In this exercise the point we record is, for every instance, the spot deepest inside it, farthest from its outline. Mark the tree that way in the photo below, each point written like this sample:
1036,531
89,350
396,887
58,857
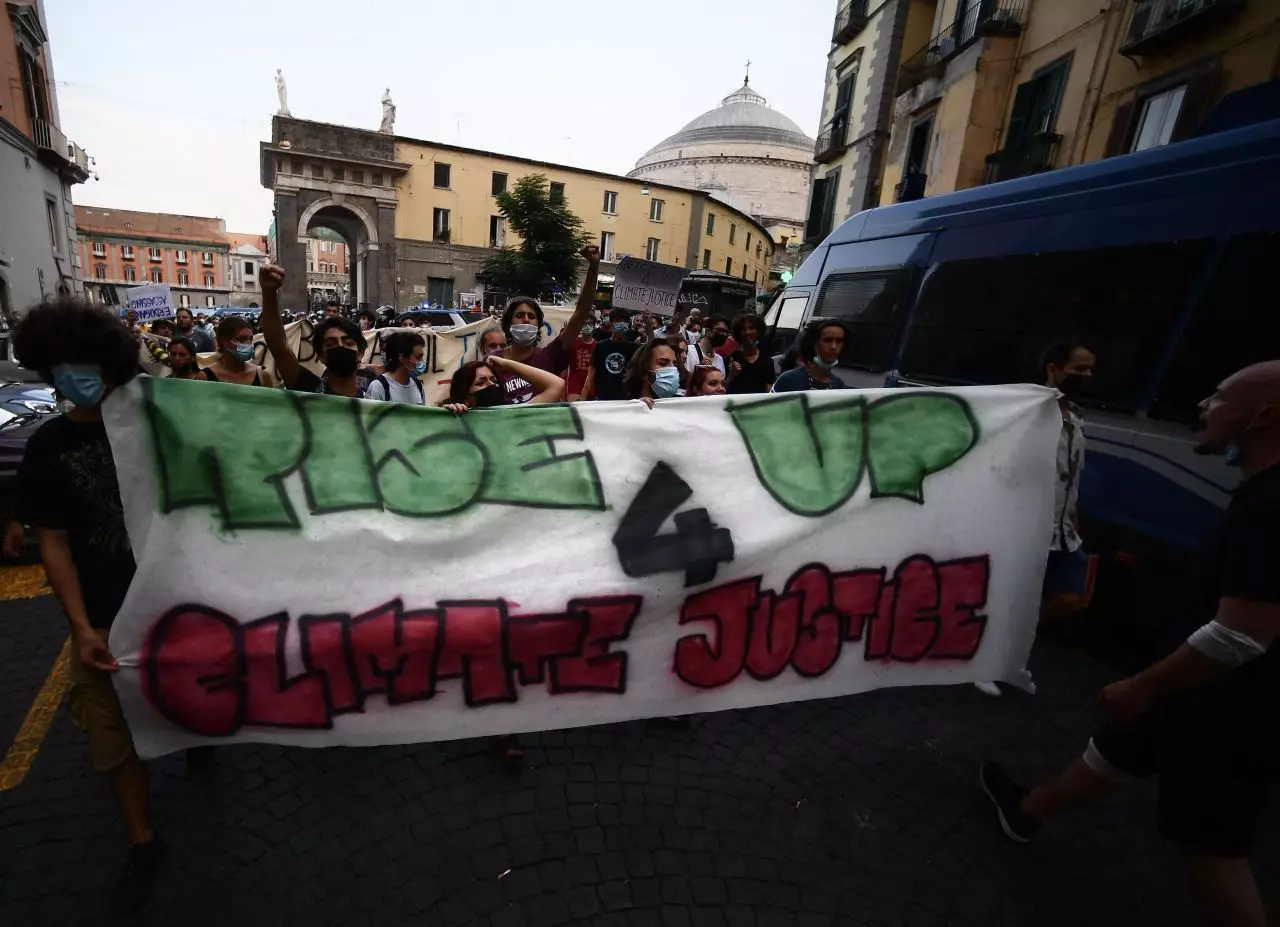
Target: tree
551,237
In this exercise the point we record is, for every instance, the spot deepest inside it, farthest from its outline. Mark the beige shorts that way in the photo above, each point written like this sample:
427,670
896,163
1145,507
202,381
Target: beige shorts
95,708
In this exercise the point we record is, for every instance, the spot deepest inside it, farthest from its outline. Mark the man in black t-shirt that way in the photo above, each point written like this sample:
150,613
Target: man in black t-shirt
1203,719
67,490
609,361
750,370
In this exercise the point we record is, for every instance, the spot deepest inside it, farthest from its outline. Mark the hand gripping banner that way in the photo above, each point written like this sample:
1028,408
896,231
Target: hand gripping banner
314,570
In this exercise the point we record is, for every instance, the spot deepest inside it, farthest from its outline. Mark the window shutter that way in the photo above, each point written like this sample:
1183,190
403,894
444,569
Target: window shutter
1121,129
814,222
1202,90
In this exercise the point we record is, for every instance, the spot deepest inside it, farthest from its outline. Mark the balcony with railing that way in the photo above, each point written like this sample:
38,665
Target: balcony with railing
850,20
1032,156
1156,23
61,154
983,19
832,141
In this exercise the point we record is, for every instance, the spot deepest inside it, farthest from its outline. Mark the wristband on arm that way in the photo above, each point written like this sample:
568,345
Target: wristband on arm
1218,642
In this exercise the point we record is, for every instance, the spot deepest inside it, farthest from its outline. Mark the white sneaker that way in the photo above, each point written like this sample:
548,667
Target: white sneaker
988,688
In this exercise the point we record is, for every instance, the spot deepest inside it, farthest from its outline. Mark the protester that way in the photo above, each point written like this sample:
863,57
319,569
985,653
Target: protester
235,356
673,326
609,360
652,373
368,320
183,362
580,364
409,323
704,351
405,354
69,493
162,328
131,319
332,308
1066,366
693,328
339,341
478,384
493,341
186,328
821,344
706,381
522,323
750,369
1202,719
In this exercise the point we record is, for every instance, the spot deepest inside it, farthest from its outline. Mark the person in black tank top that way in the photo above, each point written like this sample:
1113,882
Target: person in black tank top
236,353
1203,719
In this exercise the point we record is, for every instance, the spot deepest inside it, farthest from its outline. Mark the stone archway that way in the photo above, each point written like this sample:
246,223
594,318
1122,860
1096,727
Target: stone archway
341,179
357,230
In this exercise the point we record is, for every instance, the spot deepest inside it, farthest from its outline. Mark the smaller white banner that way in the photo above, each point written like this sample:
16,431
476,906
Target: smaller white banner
151,302
647,286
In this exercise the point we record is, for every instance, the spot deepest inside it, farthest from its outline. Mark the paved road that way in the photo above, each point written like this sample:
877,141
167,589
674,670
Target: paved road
860,811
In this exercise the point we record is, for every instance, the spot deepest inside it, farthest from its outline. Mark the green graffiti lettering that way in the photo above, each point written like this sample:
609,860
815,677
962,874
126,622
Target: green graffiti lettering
229,455
524,468
810,459
337,471
426,461
911,436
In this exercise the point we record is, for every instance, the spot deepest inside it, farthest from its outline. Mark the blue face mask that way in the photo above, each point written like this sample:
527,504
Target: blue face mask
666,381
81,383
621,328
420,367
243,352
826,364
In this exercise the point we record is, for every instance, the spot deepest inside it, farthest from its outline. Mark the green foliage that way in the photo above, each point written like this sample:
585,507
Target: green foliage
551,237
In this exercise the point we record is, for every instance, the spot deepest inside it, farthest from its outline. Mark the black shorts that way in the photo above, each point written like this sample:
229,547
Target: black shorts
1216,760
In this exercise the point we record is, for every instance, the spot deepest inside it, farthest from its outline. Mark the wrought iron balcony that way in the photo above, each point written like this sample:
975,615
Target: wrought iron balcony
831,141
983,19
1159,22
850,20
1034,156
911,187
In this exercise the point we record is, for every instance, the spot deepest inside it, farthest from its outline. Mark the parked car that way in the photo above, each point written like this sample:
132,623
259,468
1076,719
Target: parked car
24,407
440,319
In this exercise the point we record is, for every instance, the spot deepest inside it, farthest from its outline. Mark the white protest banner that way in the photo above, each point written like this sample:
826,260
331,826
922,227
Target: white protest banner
445,351
376,574
150,302
647,286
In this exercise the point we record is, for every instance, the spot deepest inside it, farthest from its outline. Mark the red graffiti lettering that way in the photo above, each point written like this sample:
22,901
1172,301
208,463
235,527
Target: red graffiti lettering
775,622
271,698
194,669
595,668
708,663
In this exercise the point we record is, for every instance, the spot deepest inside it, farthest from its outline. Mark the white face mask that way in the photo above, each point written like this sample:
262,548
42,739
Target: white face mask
524,335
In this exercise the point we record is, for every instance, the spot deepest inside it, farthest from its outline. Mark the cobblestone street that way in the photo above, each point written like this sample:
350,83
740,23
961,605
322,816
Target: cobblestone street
861,810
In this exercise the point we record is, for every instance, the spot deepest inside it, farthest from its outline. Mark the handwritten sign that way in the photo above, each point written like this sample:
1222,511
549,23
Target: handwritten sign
647,286
150,302
820,544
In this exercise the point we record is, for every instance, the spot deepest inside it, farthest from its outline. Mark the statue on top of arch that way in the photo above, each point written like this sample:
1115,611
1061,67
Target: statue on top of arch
388,113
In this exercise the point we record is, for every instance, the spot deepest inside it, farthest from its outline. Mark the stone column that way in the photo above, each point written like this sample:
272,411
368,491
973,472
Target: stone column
291,254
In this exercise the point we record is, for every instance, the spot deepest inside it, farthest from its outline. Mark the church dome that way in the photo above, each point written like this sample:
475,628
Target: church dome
743,116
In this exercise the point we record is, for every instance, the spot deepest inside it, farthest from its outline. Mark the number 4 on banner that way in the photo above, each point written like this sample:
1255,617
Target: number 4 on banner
697,545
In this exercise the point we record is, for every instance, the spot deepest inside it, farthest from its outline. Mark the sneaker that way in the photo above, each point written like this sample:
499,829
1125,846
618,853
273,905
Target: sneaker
988,688
134,884
1007,796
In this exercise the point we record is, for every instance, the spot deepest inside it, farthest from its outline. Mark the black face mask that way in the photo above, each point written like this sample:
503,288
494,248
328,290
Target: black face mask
719,338
492,395
1076,386
341,362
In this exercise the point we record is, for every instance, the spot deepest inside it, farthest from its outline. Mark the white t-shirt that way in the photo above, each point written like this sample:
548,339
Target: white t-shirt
693,360
410,394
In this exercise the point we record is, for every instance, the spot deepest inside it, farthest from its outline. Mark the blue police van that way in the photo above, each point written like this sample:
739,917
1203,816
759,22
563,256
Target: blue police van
1164,262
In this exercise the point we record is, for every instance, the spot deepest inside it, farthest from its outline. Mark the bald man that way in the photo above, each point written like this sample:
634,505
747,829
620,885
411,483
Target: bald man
1206,718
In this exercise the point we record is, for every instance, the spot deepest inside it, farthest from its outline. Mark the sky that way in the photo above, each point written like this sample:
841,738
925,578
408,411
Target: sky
172,99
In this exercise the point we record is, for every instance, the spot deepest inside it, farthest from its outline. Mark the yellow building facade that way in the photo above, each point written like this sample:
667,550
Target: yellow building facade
1006,88
447,220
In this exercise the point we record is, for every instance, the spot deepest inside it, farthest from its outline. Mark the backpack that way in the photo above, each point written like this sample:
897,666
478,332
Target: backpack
386,388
